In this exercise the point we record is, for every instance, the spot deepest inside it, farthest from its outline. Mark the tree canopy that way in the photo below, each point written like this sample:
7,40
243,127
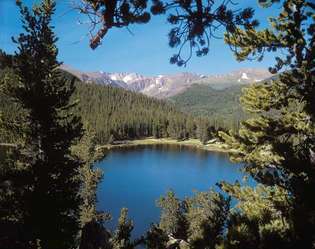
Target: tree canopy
48,183
277,145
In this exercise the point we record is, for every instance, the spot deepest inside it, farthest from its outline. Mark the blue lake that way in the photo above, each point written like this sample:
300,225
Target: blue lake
136,177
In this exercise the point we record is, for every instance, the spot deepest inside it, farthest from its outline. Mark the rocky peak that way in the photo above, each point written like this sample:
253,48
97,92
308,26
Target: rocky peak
163,86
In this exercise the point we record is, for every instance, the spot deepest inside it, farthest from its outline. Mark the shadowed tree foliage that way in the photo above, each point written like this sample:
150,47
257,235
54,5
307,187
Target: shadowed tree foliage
197,222
277,144
42,179
156,238
105,15
42,183
195,22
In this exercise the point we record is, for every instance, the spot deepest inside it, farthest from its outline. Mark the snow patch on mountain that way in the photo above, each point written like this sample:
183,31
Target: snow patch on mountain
113,77
164,86
128,78
244,76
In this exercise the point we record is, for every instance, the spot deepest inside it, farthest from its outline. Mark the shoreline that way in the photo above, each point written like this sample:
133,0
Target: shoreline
195,143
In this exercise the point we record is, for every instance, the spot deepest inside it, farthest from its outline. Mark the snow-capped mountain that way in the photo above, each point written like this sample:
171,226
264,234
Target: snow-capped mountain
164,86
242,76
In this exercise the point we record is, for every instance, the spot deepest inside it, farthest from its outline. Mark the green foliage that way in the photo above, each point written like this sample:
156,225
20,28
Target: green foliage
172,216
203,131
258,219
41,182
207,213
118,114
11,113
121,238
277,144
196,222
221,107
90,179
41,174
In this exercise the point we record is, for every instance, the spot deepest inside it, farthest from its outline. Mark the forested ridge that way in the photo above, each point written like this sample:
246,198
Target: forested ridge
221,106
117,114
48,179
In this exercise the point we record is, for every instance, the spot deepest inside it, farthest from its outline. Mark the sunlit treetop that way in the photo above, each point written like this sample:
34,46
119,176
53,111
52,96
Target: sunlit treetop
291,33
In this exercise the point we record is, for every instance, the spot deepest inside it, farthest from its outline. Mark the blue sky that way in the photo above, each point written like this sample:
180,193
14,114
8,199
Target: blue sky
146,52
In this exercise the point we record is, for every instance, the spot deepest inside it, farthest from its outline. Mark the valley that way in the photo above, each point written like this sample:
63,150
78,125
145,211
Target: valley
214,97
133,157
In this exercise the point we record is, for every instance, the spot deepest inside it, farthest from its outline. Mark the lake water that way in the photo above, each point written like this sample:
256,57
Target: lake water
136,177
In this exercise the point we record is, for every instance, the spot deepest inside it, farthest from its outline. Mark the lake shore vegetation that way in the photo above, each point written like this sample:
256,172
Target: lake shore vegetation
48,181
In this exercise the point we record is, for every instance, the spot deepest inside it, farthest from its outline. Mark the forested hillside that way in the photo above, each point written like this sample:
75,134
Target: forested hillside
222,107
48,176
115,113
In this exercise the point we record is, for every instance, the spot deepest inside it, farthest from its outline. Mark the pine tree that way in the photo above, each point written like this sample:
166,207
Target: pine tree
277,144
92,231
196,222
206,215
156,238
256,220
194,22
44,184
202,131
121,237
172,220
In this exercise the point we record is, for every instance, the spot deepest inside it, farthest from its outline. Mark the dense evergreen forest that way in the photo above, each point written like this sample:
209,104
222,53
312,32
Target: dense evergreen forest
222,107
118,114
48,181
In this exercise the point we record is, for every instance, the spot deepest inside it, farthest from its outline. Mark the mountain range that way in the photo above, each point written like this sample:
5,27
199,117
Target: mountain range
166,86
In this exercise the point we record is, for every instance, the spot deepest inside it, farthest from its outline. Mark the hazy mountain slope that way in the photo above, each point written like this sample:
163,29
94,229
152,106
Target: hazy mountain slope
94,77
221,106
243,76
217,103
204,100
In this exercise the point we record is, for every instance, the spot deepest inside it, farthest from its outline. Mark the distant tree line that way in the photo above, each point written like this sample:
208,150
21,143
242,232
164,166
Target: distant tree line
221,107
118,114
48,183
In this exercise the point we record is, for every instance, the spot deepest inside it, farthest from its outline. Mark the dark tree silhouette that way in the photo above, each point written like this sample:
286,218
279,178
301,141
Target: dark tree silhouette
42,185
195,22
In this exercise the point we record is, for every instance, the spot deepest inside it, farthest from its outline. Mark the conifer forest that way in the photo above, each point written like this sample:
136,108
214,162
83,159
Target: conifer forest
52,122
